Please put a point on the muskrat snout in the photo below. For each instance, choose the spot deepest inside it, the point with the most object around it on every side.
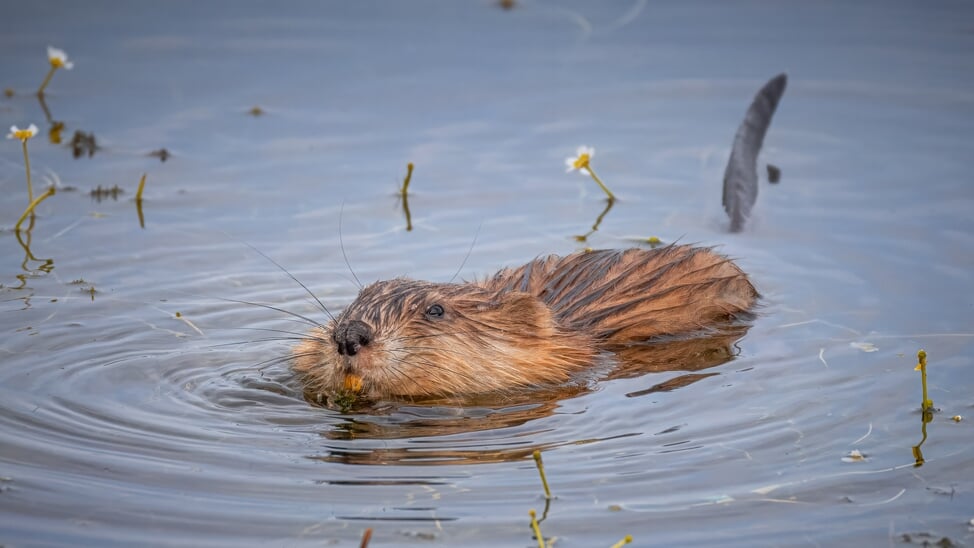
(351, 336)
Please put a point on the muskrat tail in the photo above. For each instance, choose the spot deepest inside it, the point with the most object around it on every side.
(675, 290)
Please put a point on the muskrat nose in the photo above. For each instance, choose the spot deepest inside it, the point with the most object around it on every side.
(352, 336)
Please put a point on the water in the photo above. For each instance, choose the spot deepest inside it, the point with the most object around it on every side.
(124, 424)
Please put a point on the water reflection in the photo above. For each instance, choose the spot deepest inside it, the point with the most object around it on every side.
(426, 424)
(598, 221)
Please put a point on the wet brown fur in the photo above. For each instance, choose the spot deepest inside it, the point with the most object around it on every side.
(533, 326)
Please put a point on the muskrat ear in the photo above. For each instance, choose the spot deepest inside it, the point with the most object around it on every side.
(524, 308)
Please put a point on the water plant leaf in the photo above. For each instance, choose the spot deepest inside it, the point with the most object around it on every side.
(741, 175)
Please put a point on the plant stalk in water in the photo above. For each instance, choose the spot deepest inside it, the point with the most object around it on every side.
(536, 528)
(409, 176)
(922, 368)
(138, 193)
(625, 540)
(30, 208)
(544, 480)
(582, 162)
(58, 59)
(24, 135)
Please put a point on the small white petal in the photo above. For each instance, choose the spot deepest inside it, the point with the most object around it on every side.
(586, 150)
(32, 129)
(54, 53)
(68, 65)
(14, 129)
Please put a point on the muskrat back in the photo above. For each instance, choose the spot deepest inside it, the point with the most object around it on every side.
(532, 326)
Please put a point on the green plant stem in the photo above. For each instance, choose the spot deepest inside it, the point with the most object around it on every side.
(544, 480)
(625, 540)
(30, 187)
(922, 359)
(47, 80)
(33, 204)
(536, 528)
(409, 176)
(138, 193)
(591, 172)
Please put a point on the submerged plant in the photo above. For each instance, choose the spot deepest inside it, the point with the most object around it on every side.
(58, 59)
(24, 135)
(582, 162)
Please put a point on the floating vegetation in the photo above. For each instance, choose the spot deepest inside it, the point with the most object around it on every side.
(99, 193)
(854, 456)
(544, 480)
(8, 92)
(774, 174)
(83, 143)
(255, 111)
(741, 174)
(957, 418)
(24, 135)
(58, 60)
(161, 153)
(507, 4)
(54, 134)
(581, 162)
(366, 537)
(30, 208)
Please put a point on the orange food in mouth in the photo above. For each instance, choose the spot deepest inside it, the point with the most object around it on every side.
(353, 383)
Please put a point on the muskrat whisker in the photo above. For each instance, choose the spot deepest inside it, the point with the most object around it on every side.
(297, 281)
(341, 244)
(467, 256)
(306, 319)
(301, 334)
(251, 341)
(275, 361)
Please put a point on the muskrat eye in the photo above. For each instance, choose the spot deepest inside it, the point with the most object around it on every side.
(434, 312)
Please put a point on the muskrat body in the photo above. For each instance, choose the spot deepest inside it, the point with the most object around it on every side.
(533, 326)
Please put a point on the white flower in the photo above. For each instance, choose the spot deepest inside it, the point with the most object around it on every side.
(580, 160)
(58, 58)
(22, 134)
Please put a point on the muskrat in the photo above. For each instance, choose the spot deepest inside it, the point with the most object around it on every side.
(534, 326)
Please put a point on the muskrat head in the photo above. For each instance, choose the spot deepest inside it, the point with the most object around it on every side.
(412, 339)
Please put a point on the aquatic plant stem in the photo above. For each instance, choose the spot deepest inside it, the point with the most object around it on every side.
(625, 540)
(536, 528)
(30, 208)
(591, 172)
(544, 480)
(409, 176)
(138, 193)
(30, 187)
(922, 367)
(47, 80)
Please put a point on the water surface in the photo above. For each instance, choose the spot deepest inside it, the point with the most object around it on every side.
(138, 406)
